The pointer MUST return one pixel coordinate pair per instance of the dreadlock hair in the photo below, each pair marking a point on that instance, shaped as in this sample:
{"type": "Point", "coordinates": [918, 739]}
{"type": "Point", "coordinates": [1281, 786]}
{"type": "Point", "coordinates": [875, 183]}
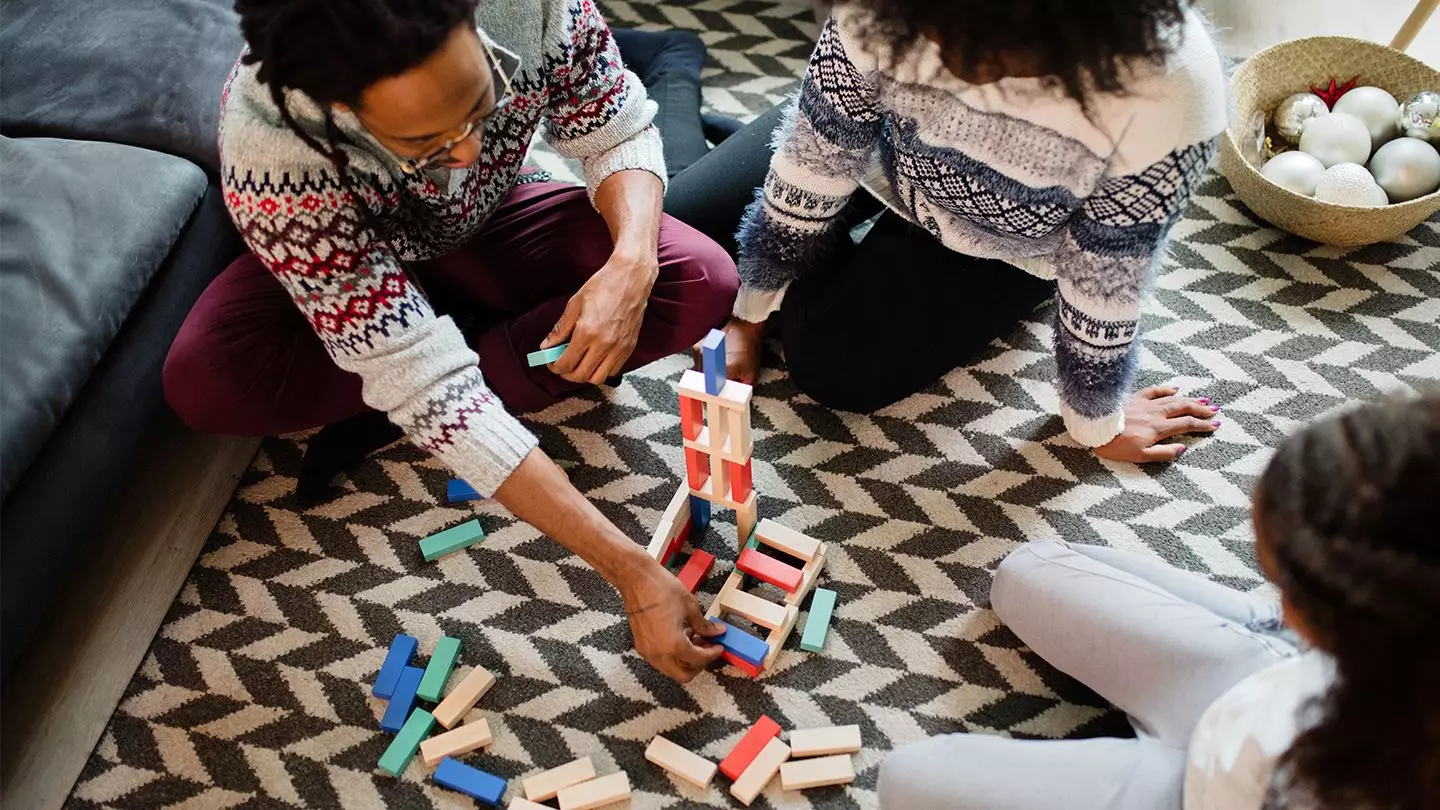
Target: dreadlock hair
{"type": "Point", "coordinates": [1350, 507]}
{"type": "Point", "coordinates": [331, 50]}
{"type": "Point", "coordinates": [1083, 46]}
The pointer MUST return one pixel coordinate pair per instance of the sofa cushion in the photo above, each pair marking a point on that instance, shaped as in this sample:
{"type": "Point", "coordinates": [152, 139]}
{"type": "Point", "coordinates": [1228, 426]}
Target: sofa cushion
{"type": "Point", "coordinates": [141, 72]}
{"type": "Point", "coordinates": [83, 228]}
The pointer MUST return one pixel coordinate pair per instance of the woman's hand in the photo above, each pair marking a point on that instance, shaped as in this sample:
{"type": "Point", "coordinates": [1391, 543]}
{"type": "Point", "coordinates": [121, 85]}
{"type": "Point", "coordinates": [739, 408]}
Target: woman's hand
{"type": "Point", "coordinates": [1155, 414]}
{"type": "Point", "coordinates": [667, 623]}
{"type": "Point", "coordinates": [744, 343]}
{"type": "Point", "coordinates": [602, 320]}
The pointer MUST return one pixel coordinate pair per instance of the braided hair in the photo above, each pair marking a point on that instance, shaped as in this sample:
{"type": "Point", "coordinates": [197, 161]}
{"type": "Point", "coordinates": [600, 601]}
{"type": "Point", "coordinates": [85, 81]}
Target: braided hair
{"type": "Point", "coordinates": [1350, 508]}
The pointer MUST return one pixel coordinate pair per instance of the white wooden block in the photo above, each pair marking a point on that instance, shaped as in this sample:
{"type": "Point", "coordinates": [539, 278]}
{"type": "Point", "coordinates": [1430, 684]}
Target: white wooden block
{"type": "Point", "coordinates": [819, 742]}
{"type": "Point", "coordinates": [734, 394]}
{"type": "Point", "coordinates": [731, 585]}
{"type": "Point", "coordinates": [462, 740]}
{"type": "Point", "coordinates": [596, 792]}
{"type": "Point", "coordinates": [761, 770]}
{"type": "Point", "coordinates": [675, 516]}
{"type": "Point", "coordinates": [745, 517]}
{"type": "Point", "coordinates": [717, 428]}
{"type": "Point", "coordinates": [797, 545]}
{"type": "Point", "coordinates": [769, 615]}
{"type": "Point", "coordinates": [464, 697]}
{"type": "Point", "coordinates": [543, 786]}
{"type": "Point", "coordinates": [812, 773]}
{"type": "Point", "coordinates": [518, 803]}
{"type": "Point", "coordinates": [777, 637]}
{"type": "Point", "coordinates": [682, 762]}
{"type": "Point", "coordinates": [719, 478]}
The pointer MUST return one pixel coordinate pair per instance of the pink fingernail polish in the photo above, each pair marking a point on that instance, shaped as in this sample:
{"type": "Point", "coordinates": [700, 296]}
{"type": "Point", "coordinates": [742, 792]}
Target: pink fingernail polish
{"type": "Point", "coordinates": [1181, 451]}
{"type": "Point", "coordinates": [1203, 400]}
{"type": "Point", "coordinates": [1216, 423]}
{"type": "Point", "coordinates": [1214, 408]}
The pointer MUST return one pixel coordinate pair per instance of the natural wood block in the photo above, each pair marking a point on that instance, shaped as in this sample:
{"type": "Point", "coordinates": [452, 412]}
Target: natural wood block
{"type": "Point", "coordinates": [596, 793]}
{"type": "Point", "coordinates": [681, 761]}
{"type": "Point", "coordinates": [745, 516]}
{"type": "Point", "coordinates": [518, 803]}
{"type": "Point", "coordinates": [783, 538]}
{"type": "Point", "coordinates": [462, 740]}
{"type": "Point", "coordinates": [766, 614]}
{"type": "Point", "coordinates": [719, 477]}
{"type": "Point", "coordinates": [819, 742]}
{"type": "Point", "coordinates": [812, 773]}
{"type": "Point", "coordinates": [808, 577]}
{"type": "Point", "coordinates": [464, 697]}
{"type": "Point", "coordinates": [733, 395]}
{"type": "Point", "coordinates": [781, 634]}
{"type": "Point", "coordinates": [754, 778]}
{"type": "Point", "coordinates": [546, 785]}
{"type": "Point", "coordinates": [732, 584]}
{"type": "Point", "coordinates": [675, 517]}
{"type": "Point", "coordinates": [749, 746]}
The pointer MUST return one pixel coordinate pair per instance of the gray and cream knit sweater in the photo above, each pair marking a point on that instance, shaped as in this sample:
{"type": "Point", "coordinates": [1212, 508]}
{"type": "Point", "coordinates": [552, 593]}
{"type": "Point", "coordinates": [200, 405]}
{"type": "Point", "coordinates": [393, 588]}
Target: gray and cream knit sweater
{"type": "Point", "coordinates": [347, 277]}
{"type": "Point", "coordinates": [1012, 171]}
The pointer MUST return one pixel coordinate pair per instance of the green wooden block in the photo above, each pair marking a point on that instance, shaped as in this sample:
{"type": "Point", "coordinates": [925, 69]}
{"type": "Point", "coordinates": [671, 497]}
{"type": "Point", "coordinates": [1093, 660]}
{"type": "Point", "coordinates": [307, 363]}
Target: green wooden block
{"type": "Point", "coordinates": [402, 749]}
{"type": "Point", "coordinates": [545, 357]}
{"type": "Point", "coordinates": [818, 624]}
{"type": "Point", "coordinates": [452, 540]}
{"type": "Point", "coordinates": [437, 672]}
{"type": "Point", "coordinates": [752, 542]}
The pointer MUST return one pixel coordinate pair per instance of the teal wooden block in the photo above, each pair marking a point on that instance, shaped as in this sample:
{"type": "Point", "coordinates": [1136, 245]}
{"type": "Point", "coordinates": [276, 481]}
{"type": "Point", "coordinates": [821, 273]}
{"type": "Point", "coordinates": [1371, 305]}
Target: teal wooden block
{"type": "Point", "coordinates": [452, 540]}
{"type": "Point", "coordinates": [437, 672]}
{"type": "Point", "coordinates": [821, 606]}
{"type": "Point", "coordinates": [402, 749]}
{"type": "Point", "coordinates": [545, 357]}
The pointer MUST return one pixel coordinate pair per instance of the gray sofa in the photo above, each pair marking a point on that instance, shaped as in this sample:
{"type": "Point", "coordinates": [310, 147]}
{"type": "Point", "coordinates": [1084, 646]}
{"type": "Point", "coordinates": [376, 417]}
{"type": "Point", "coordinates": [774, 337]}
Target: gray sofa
{"type": "Point", "coordinates": [111, 225]}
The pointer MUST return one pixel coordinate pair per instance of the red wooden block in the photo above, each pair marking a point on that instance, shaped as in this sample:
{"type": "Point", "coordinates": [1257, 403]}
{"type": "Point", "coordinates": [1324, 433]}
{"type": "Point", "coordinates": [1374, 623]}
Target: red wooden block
{"type": "Point", "coordinates": [692, 417]}
{"type": "Point", "coordinates": [749, 747]}
{"type": "Point", "coordinates": [697, 467]}
{"type": "Point", "coordinates": [771, 570]}
{"type": "Point", "coordinates": [739, 480]}
{"type": "Point", "coordinates": [696, 569]}
{"type": "Point", "coordinates": [676, 544]}
{"type": "Point", "coordinates": [741, 664]}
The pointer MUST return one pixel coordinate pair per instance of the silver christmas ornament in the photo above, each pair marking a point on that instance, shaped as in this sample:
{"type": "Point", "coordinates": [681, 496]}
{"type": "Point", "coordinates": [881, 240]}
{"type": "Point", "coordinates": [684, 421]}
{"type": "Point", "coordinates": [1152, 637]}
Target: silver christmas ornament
{"type": "Point", "coordinates": [1377, 108]}
{"type": "Point", "coordinates": [1337, 138]}
{"type": "Point", "coordinates": [1295, 112]}
{"type": "Point", "coordinates": [1420, 117]}
{"type": "Point", "coordinates": [1407, 168]}
{"type": "Point", "coordinates": [1296, 171]}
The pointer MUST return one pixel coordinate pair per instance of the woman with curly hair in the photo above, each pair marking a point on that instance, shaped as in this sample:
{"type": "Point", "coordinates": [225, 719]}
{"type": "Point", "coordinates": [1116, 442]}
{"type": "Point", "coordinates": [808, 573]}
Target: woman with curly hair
{"type": "Point", "coordinates": [1019, 147]}
{"type": "Point", "coordinates": [1229, 712]}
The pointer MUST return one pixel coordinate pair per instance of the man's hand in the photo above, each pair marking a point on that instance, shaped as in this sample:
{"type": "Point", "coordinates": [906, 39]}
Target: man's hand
{"type": "Point", "coordinates": [602, 321]}
{"type": "Point", "coordinates": [744, 343]}
{"type": "Point", "coordinates": [667, 623]}
{"type": "Point", "coordinates": [1155, 414]}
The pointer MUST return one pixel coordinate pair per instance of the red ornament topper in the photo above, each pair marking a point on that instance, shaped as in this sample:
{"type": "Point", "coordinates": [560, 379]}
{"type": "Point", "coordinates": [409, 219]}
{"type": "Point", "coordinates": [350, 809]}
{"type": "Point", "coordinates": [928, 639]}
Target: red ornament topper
{"type": "Point", "coordinates": [1332, 94]}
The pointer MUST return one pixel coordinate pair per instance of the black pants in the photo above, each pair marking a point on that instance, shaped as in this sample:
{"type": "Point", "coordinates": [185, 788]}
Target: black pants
{"type": "Point", "coordinates": [890, 315]}
{"type": "Point", "coordinates": [669, 64]}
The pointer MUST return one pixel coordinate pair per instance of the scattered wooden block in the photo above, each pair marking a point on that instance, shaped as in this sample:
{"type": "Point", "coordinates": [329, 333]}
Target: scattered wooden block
{"type": "Point", "coordinates": [766, 614]}
{"type": "Point", "coordinates": [742, 665]}
{"type": "Point", "coordinates": [456, 538]}
{"type": "Point", "coordinates": [741, 644]}
{"type": "Point", "coordinates": [402, 649]}
{"type": "Point", "coordinates": [596, 793]}
{"type": "Point", "coordinates": [783, 538]}
{"type": "Point", "coordinates": [402, 701]}
{"type": "Point", "coordinates": [518, 803]}
{"type": "Point", "coordinates": [696, 569]}
{"type": "Point", "coordinates": [697, 470]}
{"type": "Point", "coordinates": [464, 697]}
{"type": "Point", "coordinates": [760, 771]}
{"type": "Point", "coordinates": [768, 569]}
{"type": "Point", "coordinates": [402, 749]}
{"type": "Point", "coordinates": [779, 635]}
{"type": "Point", "coordinates": [819, 742]}
{"type": "Point", "coordinates": [457, 491]}
{"type": "Point", "coordinates": [692, 417]}
{"type": "Point", "coordinates": [543, 786]}
{"type": "Point", "coordinates": [712, 360]}
{"type": "Point", "coordinates": [473, 782]}
{"type": "Point", "coordinates": [462, 740]}
{"type": "Point", "coordinates": [437, 672]}
{"type": "Point", "coordinates": [813, 773]}
{"type": "Point", "coordinates": [818, 624]}
{"type": "Point", "coordinates": [749, 747]}
{"type": "Point", "coordinates": [680, 761]}
{"type": "Point", "coordinates": [739, 479]}
{"type": "Point", "coordinates": [545, 357]}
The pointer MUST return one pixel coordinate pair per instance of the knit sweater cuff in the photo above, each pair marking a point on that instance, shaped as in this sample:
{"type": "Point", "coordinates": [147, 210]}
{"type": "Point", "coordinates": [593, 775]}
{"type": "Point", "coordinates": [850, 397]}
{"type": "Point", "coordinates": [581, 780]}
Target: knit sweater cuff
{"type": "Point", "coordinates": [1092, 432]}
{"type": "Point", "coordinates": [642, 151]}
{"type": "Point", "coordinates": [489, 450]}
{"type": "Point", "coordinates": [757, 305]}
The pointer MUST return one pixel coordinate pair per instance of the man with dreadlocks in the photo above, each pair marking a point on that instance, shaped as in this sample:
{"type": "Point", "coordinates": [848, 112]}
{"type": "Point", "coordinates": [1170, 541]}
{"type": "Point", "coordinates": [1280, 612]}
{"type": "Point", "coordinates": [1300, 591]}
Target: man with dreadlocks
{"type": "Point", "coordinates": [370, 153]}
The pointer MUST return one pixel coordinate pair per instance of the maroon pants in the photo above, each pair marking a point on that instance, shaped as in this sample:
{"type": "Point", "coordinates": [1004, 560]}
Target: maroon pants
{"type": "Point", "coordinates": [247, 363]}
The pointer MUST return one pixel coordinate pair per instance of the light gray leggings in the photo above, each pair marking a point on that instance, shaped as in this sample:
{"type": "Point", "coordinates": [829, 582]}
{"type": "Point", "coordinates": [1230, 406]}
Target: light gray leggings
{"type": "Point", "coordinates": [1159, 643]}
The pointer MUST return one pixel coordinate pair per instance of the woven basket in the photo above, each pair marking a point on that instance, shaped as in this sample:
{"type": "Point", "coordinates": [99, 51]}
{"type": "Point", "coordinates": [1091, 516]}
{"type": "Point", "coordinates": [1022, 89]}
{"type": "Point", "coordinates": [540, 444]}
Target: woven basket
{"type": "Point", "coordinates": [1291, 67]}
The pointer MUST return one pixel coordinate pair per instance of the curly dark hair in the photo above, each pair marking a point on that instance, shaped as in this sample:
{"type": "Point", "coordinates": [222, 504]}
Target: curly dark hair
{"type": "Point", "coordinates": [1083, 46]}
{"type": "Point", "coordinates": [1350, 509]}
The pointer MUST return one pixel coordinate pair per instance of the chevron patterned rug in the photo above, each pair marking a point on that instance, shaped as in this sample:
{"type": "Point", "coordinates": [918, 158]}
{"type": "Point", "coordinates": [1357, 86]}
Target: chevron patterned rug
{"type": "Point", "coordinates": [255, 693]}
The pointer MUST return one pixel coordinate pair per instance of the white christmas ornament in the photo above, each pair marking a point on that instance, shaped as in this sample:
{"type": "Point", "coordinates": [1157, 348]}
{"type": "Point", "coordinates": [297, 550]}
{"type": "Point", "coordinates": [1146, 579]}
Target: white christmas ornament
{"type": "Point", "coordinates": [1406, 168]}
{"type": "Point", "coordinates": [1297, 171]}
{"type": "Point", "coordinates": [1377, 108]}
{"type": "Point", "coordinates": [1349, 184]}
{"type": "Point", "coordinates": [1336, 138]}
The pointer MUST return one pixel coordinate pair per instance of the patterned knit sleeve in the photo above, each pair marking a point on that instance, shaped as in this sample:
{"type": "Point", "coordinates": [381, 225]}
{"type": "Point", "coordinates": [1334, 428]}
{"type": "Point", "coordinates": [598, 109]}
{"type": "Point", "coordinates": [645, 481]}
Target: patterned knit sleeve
{"type": "Point", "coordinates": [598, 111]}
{"type": "Point", "coordinates": [822, 149]}
{"type": "Point", "coordinates": [416, 367]}
{"type": "Point", "coordinates": [1111, 246]}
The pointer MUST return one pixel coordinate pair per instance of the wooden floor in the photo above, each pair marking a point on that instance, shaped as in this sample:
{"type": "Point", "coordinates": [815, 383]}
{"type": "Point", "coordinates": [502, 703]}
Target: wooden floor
{"type": "Point", "coordinates": [1250, 25]}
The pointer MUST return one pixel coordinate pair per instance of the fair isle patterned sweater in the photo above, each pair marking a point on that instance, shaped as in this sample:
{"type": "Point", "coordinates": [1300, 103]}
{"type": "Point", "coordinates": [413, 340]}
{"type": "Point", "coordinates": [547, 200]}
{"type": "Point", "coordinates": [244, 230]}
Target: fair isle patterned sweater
{"type": "Point", "coordinates": [1011, 171]}
{"type": "Point", "coordinates": [350, 281]}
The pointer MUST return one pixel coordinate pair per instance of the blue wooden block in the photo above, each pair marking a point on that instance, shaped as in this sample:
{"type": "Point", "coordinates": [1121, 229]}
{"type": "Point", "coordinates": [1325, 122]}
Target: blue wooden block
{"type": "Point", "coordinates": [699, 516]}
{"type": "Point", "coordinates": [484, 787]}
{"type": "Point", "coordinates": [457, 491]}
{"type": "Point", "coordinates": [741, 644]}
{"type": "Point", "coordinates": [402, 701]}
{"type": "Point", "coordinates": [712, 360]}
{"type": "Point", "coordinates": [402, 649]}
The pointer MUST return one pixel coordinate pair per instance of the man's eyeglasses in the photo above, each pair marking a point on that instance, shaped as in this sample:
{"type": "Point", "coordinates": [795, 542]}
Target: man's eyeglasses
{"type": "Point", "coordinates": [500, 77]}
